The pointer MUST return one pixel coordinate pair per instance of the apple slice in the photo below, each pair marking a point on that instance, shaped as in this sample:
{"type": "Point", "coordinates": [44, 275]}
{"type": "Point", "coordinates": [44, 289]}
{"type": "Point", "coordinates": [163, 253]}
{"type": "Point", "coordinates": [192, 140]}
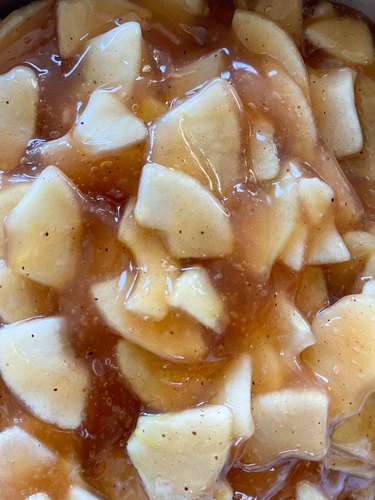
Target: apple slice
{"type": "Point", "coordinates": [156, 270]}
{"type": "Point", "coordinates": [39, 366]}
{"type": "Point", "coordinates": [176, 338]}
{"type": "Point", "coordinates": [192, 221]}
{"type": "Point", "coordinates": [181, 455]}
{"type": "Point", "coordinates": [333, 103]}
{"type": "Point", "coordinates": [234, 391]}
{"type": "Point", "coordinates": [287, 15]}
{"type": "Point", "coordinates": [161, 385]}
{"type": "Point", "coordinates": [20, 298]}
{"type": "Point", "coordinates": [345, 361]}
{"type": "Point", "coordinates": [260, 35]}
{"type": "Point", "coordinates": [106, 127]}
{"type": "Point", "coordinates": [347, 39]}
{"type": "Point", "coordinates": [75, 20]}
{"type": "Point", "coordinates": [19, 95]}
{"type": "Point", "coordinates": [10, 196]}
{"type": "Point", "coordinates": [115, 57]}
{"type": "Point", "coordinates": [202, 137]}
{"type": "Point", "coordinates": [309, 491]}
{"type": "Point", "coordinates": [281, 419]}
{"type": "Point", "coordinates": [263, 150]}
{"type": "Point", "coordinates": [194, 294]}
{"type": "Point", "coordinates": [44, 245]}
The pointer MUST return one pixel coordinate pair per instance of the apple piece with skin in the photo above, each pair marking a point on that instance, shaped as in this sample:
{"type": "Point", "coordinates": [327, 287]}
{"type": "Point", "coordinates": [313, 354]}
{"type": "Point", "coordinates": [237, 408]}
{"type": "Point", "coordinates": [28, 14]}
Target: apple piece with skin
{"type": "Point", "coordinates": [192, 221]}
{"type": "Point", "coordinates": [43, 245]}
{"type": "Point", "coordinates": [39, 366]}
{"type": "Point", "coordinates": [202, 137]}
{"type": "Point", "coordinates": [181, 455]}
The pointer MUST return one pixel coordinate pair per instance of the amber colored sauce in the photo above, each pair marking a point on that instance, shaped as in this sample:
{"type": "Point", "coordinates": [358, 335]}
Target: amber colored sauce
{"type": "Point", "coordinates": [99, 444]}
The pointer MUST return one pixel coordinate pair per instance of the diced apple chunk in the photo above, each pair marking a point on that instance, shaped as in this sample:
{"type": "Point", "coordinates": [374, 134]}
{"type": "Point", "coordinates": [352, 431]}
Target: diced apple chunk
{"type": "Point", "coordinates": [309, 491]}
{"type": "Point", "coordinates": [41, 369]}
{"type": "Point", "coordinates": [316, 197]}
{"type": "Point", "coordinates": [160, 385]}
{"type": "Point", "coordinates": [156, 270]}
{"type": "Point", "coordinates": [115, 57]}
{"type": "Point", "coordinates": [294, 255]}
{"type": "Point", "coordinates": [263, 150]}
{"type": "Point", "coordinates": [194, 294]}
{"type": "Point", "coordinates": [234, 391]}
{"type": "Point", "coordinates": [202, 137]}
{"type": "Point", "coordinates": [9, 197]}
{"type": "Point", "coordinates": [333, 103]}
{"type": "Point", "coordinates": [79, 493]}
{"type": "Point", "coordinates": [20, 298]}
{"type": "Point", "coordinates": [281, 419]}
{"type": "Point", "coordinates": [369, 288]}
{"type": "Point", "coordinates": [348, 39]}
{"type": "Point", "coordinates": [180, 455]}
{"type": "Point", "coordinates": [344, 352]}
{"type": "Point", "coordinates": [312, 292]}
{"type": "Point", "coordinates": [260, 35]}
{"type": "Point", "coordinates": [42, 244]}
{"type": "Point", "coordinates": [190, 218]}
{"type": "Point", "coordinates": [19, 94]}
{"type": "Point", "coordinates": [223, 490]}
{"type": "Point", "coordinates": [327, 247]}
{"type": "Point", "coordinates": [77, 19]}
{"type": "Point", "coordinates": [176, 337]}
{"type": "Point", "coordinates": [288, 15]}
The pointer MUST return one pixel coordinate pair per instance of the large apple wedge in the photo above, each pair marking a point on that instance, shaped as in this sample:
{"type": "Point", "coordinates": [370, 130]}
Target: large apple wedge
{"type": "Point", "coordinates": [191, 219]}
{"type": "Point", "coordinates": [202, 137]}
{"type": "Point", "coordinates": [288, 15]}
{"type": "Point", "coordinates": [262, 36]}
{"type": "Point", "coordinates": [10, 196]}
{"type": "Point", "coordinates": [19, 94]}
{"type": "Point", "coordinates": [43, 244]}
{"type": "Point", "coordinates": [176, 338]}
{"type": "Point", "coordinates": [181, 455]}
{"type": "Point", "coordinates": [39, 366]}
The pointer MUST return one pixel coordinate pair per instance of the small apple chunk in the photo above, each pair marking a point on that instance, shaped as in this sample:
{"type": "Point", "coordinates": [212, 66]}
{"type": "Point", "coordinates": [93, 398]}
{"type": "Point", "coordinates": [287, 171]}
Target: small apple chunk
{"type": "Point", "coordinates": [39, 366]}
{"type": "Point", "coordinates": [115, 57]}
{"type": "Point", "coordinates": [179, 11]}
{"type": "Point", "coordinates": [347, 39]}
{"type": "Point", "coordinates": [194, 294]}
{"type": "Point", "coordinates": [191, 219]}
{"type": "Point", "coordinates": [202, 137]}
{"type": "Point", "coordinates": [312, 295]}
{"type": "Point", "coordinates": [42, 244]}
{"type": "Point", "coordinates": [263, 150]}
{"type": "Point", "coordinates": [327, 247]}
{"type": "Point", "coordinates": [333, 103]}
{"type": "Point", "coordinates": [316, 197]}
{"type": "Point", "coordinates": [181, 455]}
{"type": "Point", "coordinates": [281, 419]}
{"type": "Point", "coordinates": [10, 196]}
{"type": "Point", "coordinates": [309, 491]}
{"type": "Point", "coordinates": [288, 15]}
{"type": "Point", "coordinates": [176, 338]}
{"type": "Point", "coordinates": [19, 94]}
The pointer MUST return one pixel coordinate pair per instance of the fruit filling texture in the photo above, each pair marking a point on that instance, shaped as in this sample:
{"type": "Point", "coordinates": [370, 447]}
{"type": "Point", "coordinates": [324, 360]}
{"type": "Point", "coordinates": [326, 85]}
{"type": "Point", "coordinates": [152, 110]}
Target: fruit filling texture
{"type": "Point", "coordinates": [187, 251]}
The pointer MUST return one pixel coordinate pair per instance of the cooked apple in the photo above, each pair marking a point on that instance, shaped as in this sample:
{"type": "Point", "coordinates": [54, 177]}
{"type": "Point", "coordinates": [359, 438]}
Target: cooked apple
{"type": "Point", "coordinates": [263, 150]}
{"type": "Point", "coordinates": [79, 493]}
{"type": "Point", "coordinates": [345, 360]}
{"type": "Point", "coordinates": [191, 219]}
{"type": "Point", "coordinates": [163, 386]}
{"type": "Point", "coordinates": [181, 11]}
{"type": "Point", "coordinates": [281, 419]}
{"type": "Point", "coordinates": [43, 245]}
{"type": "Point", "coordinates": [316, 197]}
{"type": "Point", "coordinates": [340, 461]}
{"type": "Point", "coordinates": [260, 35]}
{"type": "Point", "coordinates": [294, 255]}
{"type": "Point", "coordinates": [194, 294]}
{"type": "Point", "coordinates": [323, 9]}
{"type": "Point", "coordinates": [288, 15]}
{"type": "Point", "coordinates": [347, 39]}
{"type": "Point", "coordinates": [222, 490]}
{"type": "Point", "coordinates": [234, 391]}
{"type": "Point", "coordinates": [309, 491]}
{"type": "Point", "coordinates": [181, 455]}
{"type": "Point", "coordinates": [77, 19]}
{"type": "Point", "coordinates": [10, 196]}
{"type": "Point", "coordinates": [39, 366]}
{"type": "Point", "coordinates": [177, 338]}
{"type": "Point", "coordinates": [39, 496]}
{"type": "Point", "coordinates": [202, 137]}
{"type": "Point", "coordinates": [312, 295]}
{"type": "Point", "coordinates": [156, 270]}
{"type": "Point", "coordinates": [115, 57]}
{"type": "Point", "coordinates": [20, 298]}
{"type": "Point", "coordinates": [327, 247]}
{"type": "Point", "coordinates": [333, 103]}
{"type": "Point", "coordinates": [19, 94]}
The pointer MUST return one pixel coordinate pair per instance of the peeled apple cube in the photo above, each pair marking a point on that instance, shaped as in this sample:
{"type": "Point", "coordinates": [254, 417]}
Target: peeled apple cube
{"type": "Point", "coordinates": [347, 39]}
{"type": "Point", "coordinates": [327, 247]}
{"type": "Point", "coordinates": [19, 95]}
{"type": "Point", "coordinates": [281, 420]}
{"type": "Point", "coordinates": [316, 197]}
{"type": "Point", "coordinates": [333, 103]}
{"type": "Point", "coordinates": [194, 294]}
{"type": "Point", "coordinates": [42, 244]}
{"type": "Point", "coordinates": [192, 221]}
{"type": "Point", "coordinates": [309, 491]}
{"type": "Point", "coordinates": [115, 57]}
{"type": "Point", "coordinates": [344, 352]}
{"type": "Point", "coordinates": [181, 455]}
{"type": "Point", "coordinates": [260, 35]}
{"type": "Point", "coordinates": [202, 137]}
{"type": "Point", "coordinates": [107, 126]}
{"type": "Point", "coordinates": [40, 368]}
